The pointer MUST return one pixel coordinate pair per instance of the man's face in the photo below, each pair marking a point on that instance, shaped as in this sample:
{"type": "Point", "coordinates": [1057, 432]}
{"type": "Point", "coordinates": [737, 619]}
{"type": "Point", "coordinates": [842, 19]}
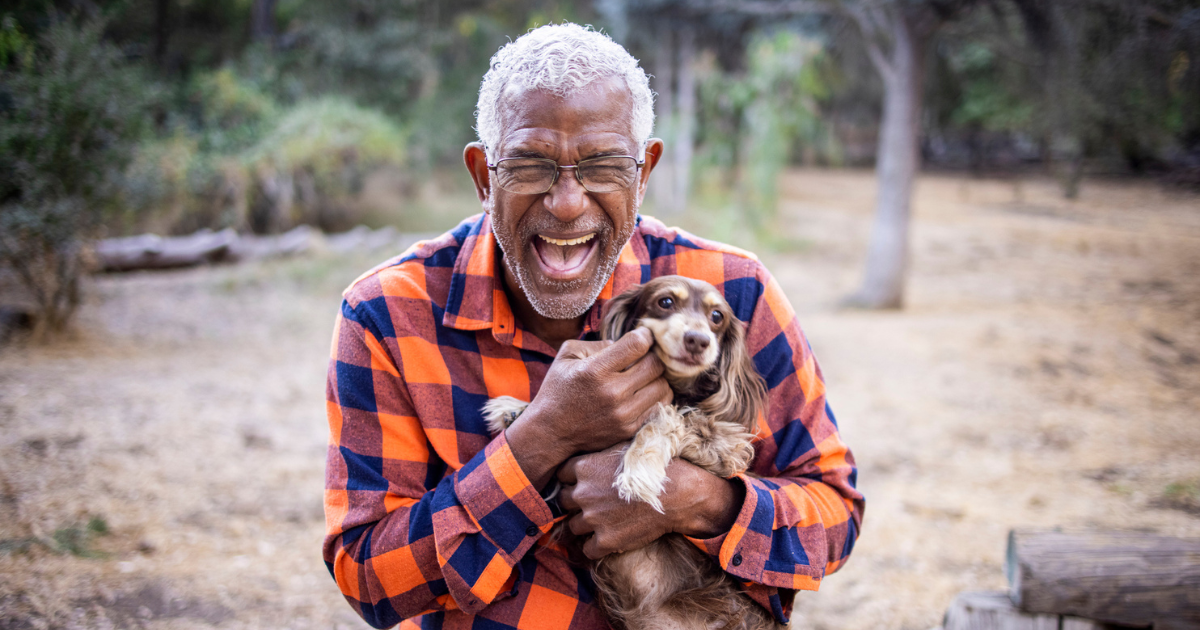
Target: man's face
{"type": "Point", "coordinates": [561, 246]}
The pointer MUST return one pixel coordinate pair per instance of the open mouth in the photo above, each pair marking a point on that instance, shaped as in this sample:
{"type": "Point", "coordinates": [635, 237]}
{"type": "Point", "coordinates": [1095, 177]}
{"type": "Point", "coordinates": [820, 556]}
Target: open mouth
{"type": "Point", "coordinates": [561, 258]}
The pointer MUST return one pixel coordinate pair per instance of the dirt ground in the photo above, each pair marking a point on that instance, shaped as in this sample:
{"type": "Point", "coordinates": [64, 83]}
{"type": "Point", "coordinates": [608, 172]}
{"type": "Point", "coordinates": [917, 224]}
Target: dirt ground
{"type": "Point", "coordinates": [163, 469]}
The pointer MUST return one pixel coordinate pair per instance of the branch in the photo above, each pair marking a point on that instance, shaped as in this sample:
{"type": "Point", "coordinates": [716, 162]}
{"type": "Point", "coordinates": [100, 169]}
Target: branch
{"type": "Point", "coordinates": [881, 63]}
{"type": "Point", "coordinates": [765, 7]}
{"type": "Point", "coordinates": [871, 24]}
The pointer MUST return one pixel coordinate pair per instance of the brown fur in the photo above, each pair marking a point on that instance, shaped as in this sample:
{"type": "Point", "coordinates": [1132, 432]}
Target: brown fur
{"type": "Point", "coordinates": [670, 583]}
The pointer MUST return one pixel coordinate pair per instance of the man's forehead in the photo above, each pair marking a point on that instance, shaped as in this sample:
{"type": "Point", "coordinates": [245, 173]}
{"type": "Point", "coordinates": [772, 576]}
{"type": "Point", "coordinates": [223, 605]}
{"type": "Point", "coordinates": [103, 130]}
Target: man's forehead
{"type": "Point", "coordinates": [596, 117]}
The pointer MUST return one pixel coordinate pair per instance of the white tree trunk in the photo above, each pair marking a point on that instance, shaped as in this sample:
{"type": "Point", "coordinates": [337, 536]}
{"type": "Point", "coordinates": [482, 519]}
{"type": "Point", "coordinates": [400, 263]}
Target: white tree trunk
{"type": "Point", "coordinates": [897, 162]}
{"type": "Point", "coordinates": [685, 119]}
{"type": "Point", "coordinates": [663, 186]}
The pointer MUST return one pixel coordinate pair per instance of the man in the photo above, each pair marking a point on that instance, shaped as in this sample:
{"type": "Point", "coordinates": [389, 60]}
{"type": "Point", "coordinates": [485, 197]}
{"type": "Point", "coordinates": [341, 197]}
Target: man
{"type": "Point", "coordinates": [427, 512]}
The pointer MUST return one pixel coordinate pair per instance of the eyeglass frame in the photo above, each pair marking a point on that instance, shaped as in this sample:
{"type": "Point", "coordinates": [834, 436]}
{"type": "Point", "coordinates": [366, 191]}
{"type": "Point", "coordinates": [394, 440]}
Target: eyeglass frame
{"type": "Point", "coordinates": [558, 168]}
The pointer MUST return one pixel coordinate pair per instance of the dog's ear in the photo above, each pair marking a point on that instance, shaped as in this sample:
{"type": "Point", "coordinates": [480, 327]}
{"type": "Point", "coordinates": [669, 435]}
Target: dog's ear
{"type": "Point", "coordinates": [619, 314]}
{"type": "Point", "coordinates": [741, 394]}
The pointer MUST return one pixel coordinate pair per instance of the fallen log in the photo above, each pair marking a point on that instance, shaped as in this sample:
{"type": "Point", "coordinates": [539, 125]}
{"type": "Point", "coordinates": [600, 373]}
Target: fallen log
{"type": "Point", "coordinates": [1123, 578]}
{"type": "Point", "coordinates": [149, 251]}
{"type": "Point", "coordinates": [993, 611]}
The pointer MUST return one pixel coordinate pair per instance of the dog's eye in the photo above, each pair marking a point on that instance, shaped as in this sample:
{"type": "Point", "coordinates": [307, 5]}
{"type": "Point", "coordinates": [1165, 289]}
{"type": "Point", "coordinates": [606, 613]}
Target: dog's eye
{"type": "Point", "coordinates": [717, 317]}
{"type": "Point", "coordinates": [666, 302]}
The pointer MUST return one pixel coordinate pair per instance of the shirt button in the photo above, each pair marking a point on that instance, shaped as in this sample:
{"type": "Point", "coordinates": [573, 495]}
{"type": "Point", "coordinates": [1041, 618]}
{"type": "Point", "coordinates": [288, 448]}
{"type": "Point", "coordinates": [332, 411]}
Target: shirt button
{"type": "Point", "coordinates": [736, 560]}
{"type": "Point", "coordinates": [533, 530]}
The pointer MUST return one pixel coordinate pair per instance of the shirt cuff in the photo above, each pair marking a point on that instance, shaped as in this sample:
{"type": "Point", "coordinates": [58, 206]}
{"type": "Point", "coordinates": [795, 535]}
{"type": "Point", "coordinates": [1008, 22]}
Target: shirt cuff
{"type": "Point", "coordinates": [753, 551]}
{"type": "Point", "coordinates": [499, 497]}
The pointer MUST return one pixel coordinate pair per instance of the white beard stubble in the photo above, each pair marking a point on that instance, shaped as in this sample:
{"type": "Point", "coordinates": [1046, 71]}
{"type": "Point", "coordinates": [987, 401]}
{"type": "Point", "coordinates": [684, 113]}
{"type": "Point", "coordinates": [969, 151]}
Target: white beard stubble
{"type": "Point", "coordinates": [554, 304]}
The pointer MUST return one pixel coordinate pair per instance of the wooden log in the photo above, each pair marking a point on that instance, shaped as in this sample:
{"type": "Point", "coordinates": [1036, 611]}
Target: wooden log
{"type": "Point", "coordinates": [149, 251]}
{"type": "Point", "coordinates": [1124, 578]}
{"type": "Point", "coordinates": [993, 611]}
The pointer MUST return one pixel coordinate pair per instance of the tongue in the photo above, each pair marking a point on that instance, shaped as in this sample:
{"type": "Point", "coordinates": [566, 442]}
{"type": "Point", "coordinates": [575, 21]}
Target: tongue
{"type": "Point", "coordinates": [561, 257]}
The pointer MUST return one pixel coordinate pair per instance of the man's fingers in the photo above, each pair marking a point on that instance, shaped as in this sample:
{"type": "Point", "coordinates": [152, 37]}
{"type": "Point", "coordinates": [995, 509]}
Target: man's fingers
{"type": "Point", "coordinates": [579, 526]}
{"type": "Point", "coordinates": [566, 499]}
{"type": "Point", "coordinates": [648, 397]}
{"type": "Point", "coordinates": [646, 369]}
{"type": "Point", "coordinates": [567, 475]}
{"type": "Point", "coordinates": [592, 549]}
{"type": "Point", "coordinates": [629, 348]}
{"type": "Point", "coordinates": [576, 349]}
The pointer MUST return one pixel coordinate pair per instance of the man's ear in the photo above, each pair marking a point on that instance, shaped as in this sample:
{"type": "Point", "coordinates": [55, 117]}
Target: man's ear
{"type": "Point", "coordinates": [654, 153]}
{"type": "Point", "coordinates": [477, 165]}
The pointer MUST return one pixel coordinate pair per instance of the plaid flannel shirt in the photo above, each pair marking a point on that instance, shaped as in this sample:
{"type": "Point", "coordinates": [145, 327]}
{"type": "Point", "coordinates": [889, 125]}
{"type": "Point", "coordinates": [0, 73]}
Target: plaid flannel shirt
{"type": "Point", "coordinates": [426, 512]}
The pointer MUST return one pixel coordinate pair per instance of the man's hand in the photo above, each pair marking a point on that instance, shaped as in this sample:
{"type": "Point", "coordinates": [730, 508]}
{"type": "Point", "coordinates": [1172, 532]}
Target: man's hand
{"type": "Point", "coordinates": [696, 503]}
{"type": "Point", "coordinates": [595, 394]}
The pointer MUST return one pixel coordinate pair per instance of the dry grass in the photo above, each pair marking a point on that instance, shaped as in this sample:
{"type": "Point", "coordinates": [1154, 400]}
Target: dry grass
{"type": "Point", "coordinates": [164, 468]}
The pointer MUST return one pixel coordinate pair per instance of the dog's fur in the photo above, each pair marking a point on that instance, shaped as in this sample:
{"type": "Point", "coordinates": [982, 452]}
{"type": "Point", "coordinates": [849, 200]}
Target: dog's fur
{"type": "Point", "coordinates": [670, 584]}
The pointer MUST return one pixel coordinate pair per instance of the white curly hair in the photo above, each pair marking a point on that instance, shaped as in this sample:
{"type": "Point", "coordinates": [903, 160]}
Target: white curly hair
{"type": "Point", "coordinates": [561, 59]}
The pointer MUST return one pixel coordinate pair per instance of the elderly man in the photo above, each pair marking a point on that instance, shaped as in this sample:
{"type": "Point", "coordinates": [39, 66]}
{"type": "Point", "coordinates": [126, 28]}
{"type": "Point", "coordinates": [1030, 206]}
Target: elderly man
{"type": "Point", "coordinates": [428, 513]}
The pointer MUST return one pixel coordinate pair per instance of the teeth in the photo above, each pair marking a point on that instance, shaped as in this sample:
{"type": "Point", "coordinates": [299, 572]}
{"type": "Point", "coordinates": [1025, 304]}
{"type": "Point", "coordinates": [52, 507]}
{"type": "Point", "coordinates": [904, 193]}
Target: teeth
{"type": "Point", "coordinates": [561, 242]}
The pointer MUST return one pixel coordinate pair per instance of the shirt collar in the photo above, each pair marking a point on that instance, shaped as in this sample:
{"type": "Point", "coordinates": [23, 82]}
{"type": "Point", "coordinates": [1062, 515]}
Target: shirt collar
{"type": "Point", "coordinates": [477, 300]}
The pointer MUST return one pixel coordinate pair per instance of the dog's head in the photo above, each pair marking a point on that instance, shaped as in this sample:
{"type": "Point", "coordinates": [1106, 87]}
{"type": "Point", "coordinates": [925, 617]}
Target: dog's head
{"type": "Point", "coordinates": [696, 335]}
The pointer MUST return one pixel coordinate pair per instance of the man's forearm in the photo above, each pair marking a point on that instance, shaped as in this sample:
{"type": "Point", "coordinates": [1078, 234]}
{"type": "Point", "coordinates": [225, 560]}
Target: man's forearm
{"type": "Point", "coordinates": [538, 454]}
{"type": "Point", "coordinates": [705, 505]}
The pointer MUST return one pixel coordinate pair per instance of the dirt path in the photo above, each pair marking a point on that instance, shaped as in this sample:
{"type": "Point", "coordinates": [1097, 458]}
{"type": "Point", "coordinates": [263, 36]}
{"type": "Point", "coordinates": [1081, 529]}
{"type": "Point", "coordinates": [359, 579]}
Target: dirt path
{"type": "Point", "coordinates": [1046, 372]}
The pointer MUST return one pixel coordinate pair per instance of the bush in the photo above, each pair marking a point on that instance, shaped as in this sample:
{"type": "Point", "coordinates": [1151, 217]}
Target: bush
{"type": "Point", "coordinates": [312, 164]}
{"type": "Point", "coordinates": [71, 110]}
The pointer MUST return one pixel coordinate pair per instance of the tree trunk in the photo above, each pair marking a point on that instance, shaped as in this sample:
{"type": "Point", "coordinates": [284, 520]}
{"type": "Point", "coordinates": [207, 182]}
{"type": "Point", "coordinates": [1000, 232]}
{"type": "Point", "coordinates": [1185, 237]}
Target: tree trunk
{"type": "Point", "coordinates": [162, 30]}
{"type": "Point", "coordinates": [897, 162]}
{"type": "Point", "coordinates": [685, 120]}
{"type": "Point", "coordinates": [664, 62]}
{"type": "Point", "coordinates": [262, 20]}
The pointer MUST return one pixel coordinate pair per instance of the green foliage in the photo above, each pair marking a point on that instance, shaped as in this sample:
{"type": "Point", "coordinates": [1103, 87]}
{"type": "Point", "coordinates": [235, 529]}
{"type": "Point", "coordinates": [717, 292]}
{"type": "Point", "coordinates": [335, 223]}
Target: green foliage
{"type": "Point", "coordinates": [72, 110]}
{"type": "Point", "coordinates": [988, 100]}
{"type": "Point", "coordinates": [192, 177]}
{"type": "Point", "coordinates": [14, 45]}
{"type": "Point", "coordinates": [77, 540]}
{"type": "Point", "coordinates": [307, 169]}
{"type": "Point", "coordinates": [1097, 79]}
{"type": "Point", "coordinates": [419, 62]}
{"type": "Point", "coordinates": [756, 122]}
{"type": "Point", "coordinates": [271, 169]}
{"type": "Point", "coordinates": [233, 111]}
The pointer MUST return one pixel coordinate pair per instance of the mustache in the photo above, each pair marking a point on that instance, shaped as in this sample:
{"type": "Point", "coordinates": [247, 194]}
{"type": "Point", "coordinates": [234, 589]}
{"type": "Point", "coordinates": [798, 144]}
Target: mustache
{"type": "Point", "coordinates": [546, 222]}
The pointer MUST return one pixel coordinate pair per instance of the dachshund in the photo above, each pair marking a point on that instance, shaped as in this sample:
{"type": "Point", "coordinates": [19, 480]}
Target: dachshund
{"type": "Point", "coordinates": [718, 396]}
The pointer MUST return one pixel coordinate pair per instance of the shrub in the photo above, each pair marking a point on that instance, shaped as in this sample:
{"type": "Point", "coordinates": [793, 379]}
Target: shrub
{"type": "Point", "coordinates": [71, 110]}
{"type": "Point", "coordinates": [310, 166]}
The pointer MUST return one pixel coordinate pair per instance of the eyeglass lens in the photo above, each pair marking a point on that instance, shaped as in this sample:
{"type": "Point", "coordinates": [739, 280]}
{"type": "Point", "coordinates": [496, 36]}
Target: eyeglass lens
{"type": "Point", "coordinates": [535, 175]}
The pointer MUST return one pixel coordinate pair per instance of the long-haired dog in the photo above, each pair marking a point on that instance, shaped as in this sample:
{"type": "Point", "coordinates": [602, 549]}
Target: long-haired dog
{"type": "Point", "coordinates": [718, 396]}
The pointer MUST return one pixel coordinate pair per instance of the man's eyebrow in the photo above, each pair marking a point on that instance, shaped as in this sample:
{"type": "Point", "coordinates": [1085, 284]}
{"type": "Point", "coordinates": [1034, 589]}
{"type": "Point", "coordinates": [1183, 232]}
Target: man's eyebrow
{"type": "Point", "coordinates": [606, 153]}
{"type": "Point", "coordinates": [525, 153]}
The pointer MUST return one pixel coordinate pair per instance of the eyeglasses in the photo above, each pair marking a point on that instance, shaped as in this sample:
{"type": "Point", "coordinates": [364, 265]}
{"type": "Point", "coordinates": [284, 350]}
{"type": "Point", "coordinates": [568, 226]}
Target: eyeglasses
{"type": "Point", "coordinates": [534, 176]}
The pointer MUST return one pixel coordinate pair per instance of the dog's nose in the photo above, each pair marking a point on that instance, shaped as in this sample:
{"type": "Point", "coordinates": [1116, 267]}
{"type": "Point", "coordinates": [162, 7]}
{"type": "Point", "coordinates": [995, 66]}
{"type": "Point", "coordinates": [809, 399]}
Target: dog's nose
{"type": "Point", "coordinates": [695, 342]}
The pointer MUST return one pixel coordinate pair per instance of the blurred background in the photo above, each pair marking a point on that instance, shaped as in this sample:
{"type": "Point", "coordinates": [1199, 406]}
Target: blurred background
{"type": "Point", "coordinates": [985, 212]}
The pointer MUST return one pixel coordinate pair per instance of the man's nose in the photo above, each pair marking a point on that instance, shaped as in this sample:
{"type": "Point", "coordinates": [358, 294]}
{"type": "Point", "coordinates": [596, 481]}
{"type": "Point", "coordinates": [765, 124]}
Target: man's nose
{"type": "Point", "coordinates": [567, 199]}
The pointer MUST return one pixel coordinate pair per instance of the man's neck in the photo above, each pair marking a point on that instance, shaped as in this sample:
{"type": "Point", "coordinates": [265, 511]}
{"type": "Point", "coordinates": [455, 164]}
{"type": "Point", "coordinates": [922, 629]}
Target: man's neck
{"type": "Point", "coordinates": [553, 331]}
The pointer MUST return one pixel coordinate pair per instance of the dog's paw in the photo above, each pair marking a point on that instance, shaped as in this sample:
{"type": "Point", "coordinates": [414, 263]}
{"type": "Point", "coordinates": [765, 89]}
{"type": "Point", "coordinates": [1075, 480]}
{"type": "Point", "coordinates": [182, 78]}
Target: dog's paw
{"type": "Point", "coordinates": [501, 412]}
{"type": "Point", "coordinates": [640, 482]}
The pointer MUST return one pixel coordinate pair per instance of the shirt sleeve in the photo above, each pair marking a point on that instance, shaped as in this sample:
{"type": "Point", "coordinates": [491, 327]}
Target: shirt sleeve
{"type": "Point", "coordinates": [402, 537]}
{"type": "Point", "coordinates": [802, 512]}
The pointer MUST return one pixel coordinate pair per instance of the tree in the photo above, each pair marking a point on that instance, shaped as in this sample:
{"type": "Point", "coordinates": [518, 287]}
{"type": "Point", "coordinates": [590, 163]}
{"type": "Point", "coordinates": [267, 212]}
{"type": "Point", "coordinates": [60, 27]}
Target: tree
{"type": "Point", "coordinates": [72, 109]}
{"type": "Point", "coordinates": [896, 34]}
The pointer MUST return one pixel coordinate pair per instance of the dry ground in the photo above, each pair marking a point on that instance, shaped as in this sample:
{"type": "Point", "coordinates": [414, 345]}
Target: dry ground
{"type": "Point", "coordinates": [1045, 373]}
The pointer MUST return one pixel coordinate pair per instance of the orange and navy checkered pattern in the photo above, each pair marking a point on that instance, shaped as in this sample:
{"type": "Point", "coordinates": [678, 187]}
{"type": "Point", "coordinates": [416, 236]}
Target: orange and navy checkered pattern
{"type": "Point", "coordinates": [428, 514]}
